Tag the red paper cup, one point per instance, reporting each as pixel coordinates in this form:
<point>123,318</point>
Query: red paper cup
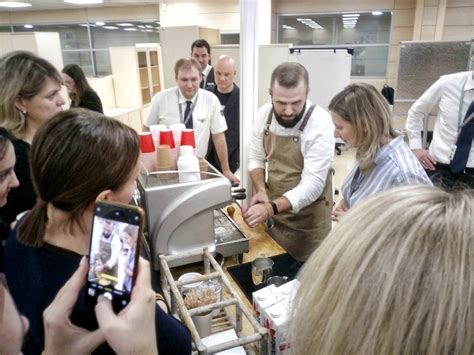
<point>187,137</point>
<point>146,142</point>
<point>166,137</point>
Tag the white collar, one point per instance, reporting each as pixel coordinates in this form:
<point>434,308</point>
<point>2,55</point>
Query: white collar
<point>207,70</point>
<point>470,82</point>
<point>182,99</point>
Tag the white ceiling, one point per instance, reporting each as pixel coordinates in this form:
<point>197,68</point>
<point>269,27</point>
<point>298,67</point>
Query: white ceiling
<point>60,4</point>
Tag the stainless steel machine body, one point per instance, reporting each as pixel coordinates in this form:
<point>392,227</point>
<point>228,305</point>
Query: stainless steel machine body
<point>180,216</point>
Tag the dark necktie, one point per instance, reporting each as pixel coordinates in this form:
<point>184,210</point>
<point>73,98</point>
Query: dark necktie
<point>188,115</point>
<point>464,142</point>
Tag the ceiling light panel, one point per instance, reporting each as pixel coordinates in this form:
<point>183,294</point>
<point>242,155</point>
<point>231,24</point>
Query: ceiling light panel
<point>83,2</point>
<point>14,4</point>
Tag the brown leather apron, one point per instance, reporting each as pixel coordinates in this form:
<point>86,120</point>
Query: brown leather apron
<point>299,233</point>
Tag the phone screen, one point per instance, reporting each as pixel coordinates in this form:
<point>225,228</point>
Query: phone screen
<point>114,251</point>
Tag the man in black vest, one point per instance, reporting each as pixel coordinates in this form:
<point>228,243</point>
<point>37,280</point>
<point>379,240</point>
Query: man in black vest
<point>228,94</point>
<point>201,51</point>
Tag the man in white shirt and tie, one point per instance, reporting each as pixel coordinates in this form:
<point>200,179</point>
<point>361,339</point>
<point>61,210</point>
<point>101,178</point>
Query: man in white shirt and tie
<point>453,95</point>
<point>197,108</point>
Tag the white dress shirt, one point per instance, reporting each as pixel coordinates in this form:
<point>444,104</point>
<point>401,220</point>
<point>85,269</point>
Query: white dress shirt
<point>317,148</point>
<point>446,92</point>
<point>207,116</point>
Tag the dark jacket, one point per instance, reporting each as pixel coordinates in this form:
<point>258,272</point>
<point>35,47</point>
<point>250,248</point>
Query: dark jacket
<point>210,83</point>
<point>232,135</point>
<point>91,101</point>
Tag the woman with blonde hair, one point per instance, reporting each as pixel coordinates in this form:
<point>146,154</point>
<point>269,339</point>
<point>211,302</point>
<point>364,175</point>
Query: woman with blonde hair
<point>395,276</point>
<point>363,121</point>
<point>29,96</point>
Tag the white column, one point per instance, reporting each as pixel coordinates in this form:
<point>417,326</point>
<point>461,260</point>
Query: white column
<point>265,21</point>
<point>249,33</point>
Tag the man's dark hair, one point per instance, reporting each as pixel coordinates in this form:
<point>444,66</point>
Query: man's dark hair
<point>200,43</point>
<point>289,75</point>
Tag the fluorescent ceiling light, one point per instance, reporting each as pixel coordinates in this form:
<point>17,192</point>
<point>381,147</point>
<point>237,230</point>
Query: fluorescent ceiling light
<point>304,19</point>
<point>124,24</point>
<point>83,2</point>
<point>377,13</point>
<point>130,29</point>
<point>350,15</point>
<point>110,27</point>
<point>14,4</point>
<point>100,23</point>
<point>28,26</point>
<point>84,25</point>
<point>350,18</point>
<point>350,21</point>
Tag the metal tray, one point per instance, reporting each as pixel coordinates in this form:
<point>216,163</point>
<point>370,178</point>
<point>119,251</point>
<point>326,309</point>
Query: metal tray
<point>229,238</point>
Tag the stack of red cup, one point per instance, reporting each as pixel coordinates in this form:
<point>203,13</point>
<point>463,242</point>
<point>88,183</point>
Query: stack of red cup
<point>166,137</point>
<point>187,137</point>
<point>147,148</point>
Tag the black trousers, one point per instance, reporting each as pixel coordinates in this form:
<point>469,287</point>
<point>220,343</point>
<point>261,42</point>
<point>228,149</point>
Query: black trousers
<point>443,177</point>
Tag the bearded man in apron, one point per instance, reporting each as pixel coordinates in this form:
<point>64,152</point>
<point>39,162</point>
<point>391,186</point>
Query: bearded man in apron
<point>108,248</point>
<point>293,145</point>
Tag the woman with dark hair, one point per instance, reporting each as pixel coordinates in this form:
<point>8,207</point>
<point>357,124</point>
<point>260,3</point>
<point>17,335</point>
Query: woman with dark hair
<point>29,96</point>
<point>79,90</point>
<point>77,158</point>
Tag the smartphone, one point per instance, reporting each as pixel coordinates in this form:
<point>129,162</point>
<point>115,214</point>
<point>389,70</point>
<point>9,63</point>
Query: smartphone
<point>114,250</point>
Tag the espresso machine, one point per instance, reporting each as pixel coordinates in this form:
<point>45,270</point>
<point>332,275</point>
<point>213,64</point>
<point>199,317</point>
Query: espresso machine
<point>182,217</point>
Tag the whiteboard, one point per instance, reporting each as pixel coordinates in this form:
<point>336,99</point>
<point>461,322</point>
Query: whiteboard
<point>329,71</point>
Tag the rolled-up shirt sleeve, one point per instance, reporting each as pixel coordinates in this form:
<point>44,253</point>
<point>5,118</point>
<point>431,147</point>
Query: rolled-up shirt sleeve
<point>418,111</point>
<point>318,151</point>
<point>256,155</point>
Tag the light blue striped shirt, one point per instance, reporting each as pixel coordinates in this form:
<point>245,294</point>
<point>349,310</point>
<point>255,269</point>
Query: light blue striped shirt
<point>395,165</point>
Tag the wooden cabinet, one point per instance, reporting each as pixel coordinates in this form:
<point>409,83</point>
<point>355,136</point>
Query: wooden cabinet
<point>129,116</point>
<point>44,44</point>
<point>137,73</point>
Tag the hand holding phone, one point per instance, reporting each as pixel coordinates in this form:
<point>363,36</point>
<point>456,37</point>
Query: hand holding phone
<point>61,336</point>
<point>138,318</point>
<point>115,242</point>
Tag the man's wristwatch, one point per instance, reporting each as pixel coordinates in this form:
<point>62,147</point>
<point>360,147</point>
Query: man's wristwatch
<point>274,207</point>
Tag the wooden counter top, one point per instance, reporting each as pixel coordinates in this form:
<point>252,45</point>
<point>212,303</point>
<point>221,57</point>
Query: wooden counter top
<point>259,240</point>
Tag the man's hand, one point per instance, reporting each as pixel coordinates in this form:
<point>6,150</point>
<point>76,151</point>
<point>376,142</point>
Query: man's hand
<point>257,214</point>
<point>426,160</point>
<point>61,336</point>
<point>133,330</point>
<point>341,208</point>
<point>228,174</point>
<point>259,197</point>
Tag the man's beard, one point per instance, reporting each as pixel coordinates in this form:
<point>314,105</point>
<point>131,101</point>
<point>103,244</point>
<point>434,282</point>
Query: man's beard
<point>289,123</point>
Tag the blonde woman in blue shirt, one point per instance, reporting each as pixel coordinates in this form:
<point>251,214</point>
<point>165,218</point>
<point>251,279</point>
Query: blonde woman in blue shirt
<point>362,119</point>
